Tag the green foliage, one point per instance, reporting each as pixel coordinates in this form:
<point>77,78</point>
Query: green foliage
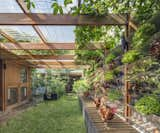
<point>80,86</point>
<point>109,58</point>
<point>56,8</point>
<point>114,94</point>
<point>51,82</point>
<point>37,80</point>
<point>148,105</point>
<point>155,21</point>
<point>157,91</point>
<point>29,4</point>
<point>142,10</point>
<point>57,85</point>
<point>117,51</point>
<point>86,35</point>
<point>130,56</point>
<point>109,75</point>
<point>88,56</point>
<point>142,35</point>
<point>98,8</point>
<point>66,2</point>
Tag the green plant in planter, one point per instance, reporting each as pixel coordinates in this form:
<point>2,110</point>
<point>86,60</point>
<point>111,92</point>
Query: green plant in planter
<point>130,56</point>
<point>114,94</point>
<point>148,105</point>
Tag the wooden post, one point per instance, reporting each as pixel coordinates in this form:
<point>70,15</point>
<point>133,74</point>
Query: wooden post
<point>126,82</point>
<point>3,86</point>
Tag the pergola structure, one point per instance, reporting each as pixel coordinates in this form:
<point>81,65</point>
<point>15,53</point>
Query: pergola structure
<point>39,22</point>
<point>26,30</point>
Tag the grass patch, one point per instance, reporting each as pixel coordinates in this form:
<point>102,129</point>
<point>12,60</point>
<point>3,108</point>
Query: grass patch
<point>62,116</point>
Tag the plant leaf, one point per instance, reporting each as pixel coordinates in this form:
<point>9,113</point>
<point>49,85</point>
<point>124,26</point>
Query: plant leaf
<point>66,2</point>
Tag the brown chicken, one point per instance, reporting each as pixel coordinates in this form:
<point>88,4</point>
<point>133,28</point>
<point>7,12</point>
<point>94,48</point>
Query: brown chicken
<point>97,101</point>
<point>106,113</point>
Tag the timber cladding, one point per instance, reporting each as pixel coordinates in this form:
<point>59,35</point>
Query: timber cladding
<point>16,84</point>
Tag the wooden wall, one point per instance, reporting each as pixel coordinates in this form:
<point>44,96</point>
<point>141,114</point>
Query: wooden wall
<point>12,79</point>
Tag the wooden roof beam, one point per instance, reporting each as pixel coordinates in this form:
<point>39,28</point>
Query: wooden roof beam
<point>48,57</point>
<point>62,63</point>
<point>23,6</point>
<point>50,19</point>
<point>39,46</point>
<point>14,42</point>
<point>49,46</point>
<point>62,67</point>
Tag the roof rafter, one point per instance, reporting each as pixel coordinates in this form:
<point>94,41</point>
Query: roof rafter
<point>14,41</point>
<point>62,67</point>
<point>48,57</point>
<point>57,63</point>
<point>23,6</point>
<point>50,19</point>
<point>50,46</point>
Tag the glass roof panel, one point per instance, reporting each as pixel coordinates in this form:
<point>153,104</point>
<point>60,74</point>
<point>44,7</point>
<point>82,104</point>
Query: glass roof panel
<point>44,6</point>
<point>59,34</point>
<point>21,33</point>
<point>3,39</point>
<point>9,6</point>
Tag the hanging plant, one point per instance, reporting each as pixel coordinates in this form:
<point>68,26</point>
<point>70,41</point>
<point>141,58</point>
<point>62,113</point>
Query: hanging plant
<point>130,56</point>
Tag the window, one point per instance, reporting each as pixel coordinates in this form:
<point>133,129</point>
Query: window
<point>23,75</point>
<point>23,93</point>
<point>12,96</point>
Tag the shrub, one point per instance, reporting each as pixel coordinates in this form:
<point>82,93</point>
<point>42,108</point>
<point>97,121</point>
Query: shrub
<point>80,86</point>
<point>130,56</point>
<point>114,94</point>
<point>148,105</point>
<point>60,87</point>
<point>57,86</point>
